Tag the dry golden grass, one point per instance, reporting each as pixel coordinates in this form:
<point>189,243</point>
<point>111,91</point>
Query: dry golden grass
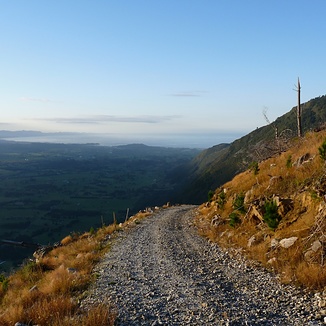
<point>101,315</point>
<point>46,292</point>
<point>312,275</point>
<point>277,176</point>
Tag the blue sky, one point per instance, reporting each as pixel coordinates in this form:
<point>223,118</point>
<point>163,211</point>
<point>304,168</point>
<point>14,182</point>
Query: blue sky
<point>158,69</point>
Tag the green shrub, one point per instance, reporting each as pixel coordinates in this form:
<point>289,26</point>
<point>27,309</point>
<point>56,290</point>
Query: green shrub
<point>322,151</point>
<point>221,199</point>
<point>4,282</point>
<point>238,203</point>
<point>254,168</point>
<point>271,216</point>
<point>289,161</point>
<point>210,195</point>
<point>234,219</point>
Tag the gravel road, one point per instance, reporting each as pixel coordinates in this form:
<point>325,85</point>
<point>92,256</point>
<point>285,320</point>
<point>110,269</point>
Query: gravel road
<point>161,272</point>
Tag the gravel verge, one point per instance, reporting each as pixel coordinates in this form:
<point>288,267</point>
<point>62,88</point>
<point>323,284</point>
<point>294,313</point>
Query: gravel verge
<point>161,272</point>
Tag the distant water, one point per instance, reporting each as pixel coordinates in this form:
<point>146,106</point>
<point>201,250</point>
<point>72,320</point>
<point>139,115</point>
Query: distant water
<point>182,141</point>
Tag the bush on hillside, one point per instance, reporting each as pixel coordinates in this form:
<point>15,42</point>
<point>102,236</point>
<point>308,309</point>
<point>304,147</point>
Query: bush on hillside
<point>238,203</point>
<point>271,216</point>
<point>289,161</point>
<point>254,168</point>
<point>210,195</point>
<point>322,151</point>
<point>234,219</point>
<point>221,199</point>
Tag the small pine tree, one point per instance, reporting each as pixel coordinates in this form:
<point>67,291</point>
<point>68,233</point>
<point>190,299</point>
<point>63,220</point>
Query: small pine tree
<point>238,203</point>
<point>210,195</point>
<point>271,217</point>
<point>254,167</point>
<point>234,219</point>
<point>289,161</point>
<point>322,151</point>
<point>221,199</point>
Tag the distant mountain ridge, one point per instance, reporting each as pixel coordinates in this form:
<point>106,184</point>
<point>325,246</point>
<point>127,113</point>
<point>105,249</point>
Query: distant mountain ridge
<point>219,164</point>
<point>28,133</point>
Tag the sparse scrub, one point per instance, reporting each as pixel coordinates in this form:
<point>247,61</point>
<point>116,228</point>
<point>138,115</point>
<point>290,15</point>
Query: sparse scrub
<point>302,185</point>
<point>44,293</point>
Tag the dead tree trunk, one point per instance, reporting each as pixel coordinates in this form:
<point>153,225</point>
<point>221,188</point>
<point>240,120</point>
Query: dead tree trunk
<point>299,111</point>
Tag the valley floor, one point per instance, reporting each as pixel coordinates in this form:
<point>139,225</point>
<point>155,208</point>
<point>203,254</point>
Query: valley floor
<point>161,272</point>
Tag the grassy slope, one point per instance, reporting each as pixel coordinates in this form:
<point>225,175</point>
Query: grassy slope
<point>299,191</point>
<point>48,291</point>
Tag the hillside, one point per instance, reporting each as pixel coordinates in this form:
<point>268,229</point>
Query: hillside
<point>221,163</point>
<point>275,212</point>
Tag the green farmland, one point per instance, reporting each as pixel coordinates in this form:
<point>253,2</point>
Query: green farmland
<point>50,190</point>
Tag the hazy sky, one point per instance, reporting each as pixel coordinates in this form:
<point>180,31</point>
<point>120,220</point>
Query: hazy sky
<point>175,67</point>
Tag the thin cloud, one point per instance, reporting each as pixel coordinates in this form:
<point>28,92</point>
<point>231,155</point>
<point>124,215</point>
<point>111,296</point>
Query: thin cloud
<point>35,99</point>
<point>100,119</point>
<point>188,94</point>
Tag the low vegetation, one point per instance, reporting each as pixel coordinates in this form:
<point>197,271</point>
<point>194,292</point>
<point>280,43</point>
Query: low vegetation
<point>48,290</point>
<point>275,212</point>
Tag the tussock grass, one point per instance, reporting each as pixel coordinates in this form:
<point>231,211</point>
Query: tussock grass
<point>48,291</point>
<point>303,186</point>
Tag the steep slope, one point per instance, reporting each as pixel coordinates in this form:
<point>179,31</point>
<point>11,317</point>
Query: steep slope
<point>218,164</point>
<point>276,212</point>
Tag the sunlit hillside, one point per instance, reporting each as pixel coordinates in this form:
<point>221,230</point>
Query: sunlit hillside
<point>275,212</point>
<point>219,164</point>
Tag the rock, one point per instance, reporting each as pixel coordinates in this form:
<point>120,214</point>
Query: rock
<point>216,220</point>
<point>248,196</point>
<point>272,261</point>
<point>288,242</point>
<point>251,241</point>
<point>274,243</point>
<point>316,246</point>
<point>309,255</point>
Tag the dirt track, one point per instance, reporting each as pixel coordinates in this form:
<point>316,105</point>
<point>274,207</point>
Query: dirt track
<point>161,272</point>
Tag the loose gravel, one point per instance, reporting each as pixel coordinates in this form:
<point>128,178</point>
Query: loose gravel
<point>161,272</point>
